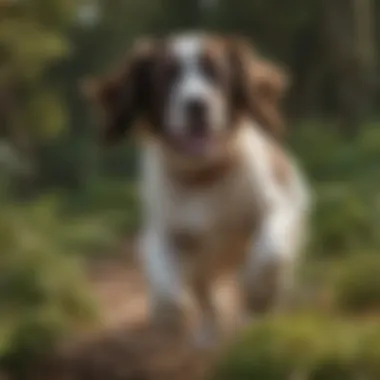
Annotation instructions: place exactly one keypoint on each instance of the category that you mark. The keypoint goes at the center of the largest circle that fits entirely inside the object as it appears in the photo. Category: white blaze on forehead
(188, 47)
(188, 50)
(193, 84)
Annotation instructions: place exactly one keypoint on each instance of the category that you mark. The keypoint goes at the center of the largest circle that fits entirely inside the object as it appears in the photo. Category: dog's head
(191, 90)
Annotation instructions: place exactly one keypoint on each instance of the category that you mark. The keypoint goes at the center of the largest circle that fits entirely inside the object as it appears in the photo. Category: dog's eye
(210, 69)
(172, 71)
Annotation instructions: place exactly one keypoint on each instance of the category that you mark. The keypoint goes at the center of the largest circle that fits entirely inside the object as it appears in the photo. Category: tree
(32, 42)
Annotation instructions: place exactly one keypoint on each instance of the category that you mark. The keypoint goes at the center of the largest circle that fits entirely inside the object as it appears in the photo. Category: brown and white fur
(220, 193)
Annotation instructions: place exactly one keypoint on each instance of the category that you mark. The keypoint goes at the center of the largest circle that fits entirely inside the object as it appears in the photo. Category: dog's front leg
(268, 273)
(208, 332)
(163, 275)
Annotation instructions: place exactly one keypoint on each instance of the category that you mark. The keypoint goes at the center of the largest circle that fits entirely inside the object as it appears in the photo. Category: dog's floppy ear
(259, 86)
(124, 95)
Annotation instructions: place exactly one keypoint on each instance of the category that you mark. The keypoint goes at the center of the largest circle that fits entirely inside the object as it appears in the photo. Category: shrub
(356, 285)
(303, 348)
(344, 179)
(115, 202)
(344, 221)
(43, 293)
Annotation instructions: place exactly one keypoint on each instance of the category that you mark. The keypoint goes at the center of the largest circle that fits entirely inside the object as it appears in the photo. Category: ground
(126, 347)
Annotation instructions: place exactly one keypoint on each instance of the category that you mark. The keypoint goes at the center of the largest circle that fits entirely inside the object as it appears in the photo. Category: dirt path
(126, 347)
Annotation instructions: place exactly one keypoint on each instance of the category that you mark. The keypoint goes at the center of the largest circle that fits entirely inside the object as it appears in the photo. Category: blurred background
(66, 203)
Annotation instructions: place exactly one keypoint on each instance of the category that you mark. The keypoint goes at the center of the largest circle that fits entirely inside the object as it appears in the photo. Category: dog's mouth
(201, 143)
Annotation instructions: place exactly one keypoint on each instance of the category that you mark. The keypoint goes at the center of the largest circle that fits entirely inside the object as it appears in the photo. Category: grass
(304, 347)
(43, 291)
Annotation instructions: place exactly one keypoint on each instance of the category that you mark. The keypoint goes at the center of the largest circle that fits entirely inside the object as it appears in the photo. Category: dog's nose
(196, 112)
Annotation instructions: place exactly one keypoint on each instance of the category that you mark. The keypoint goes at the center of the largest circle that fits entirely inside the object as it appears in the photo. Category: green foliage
(47, 115)
(30, 47)
(344, 221)
(356, 285)
(346, 212)
(273, 25)
(114, 202)
(43, 294)
(300, 347)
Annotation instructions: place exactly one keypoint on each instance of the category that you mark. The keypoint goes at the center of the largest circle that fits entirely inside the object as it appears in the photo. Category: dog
(220, 193)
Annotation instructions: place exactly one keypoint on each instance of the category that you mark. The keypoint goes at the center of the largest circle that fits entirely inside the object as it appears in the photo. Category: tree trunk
(364, 46)
(349, 40)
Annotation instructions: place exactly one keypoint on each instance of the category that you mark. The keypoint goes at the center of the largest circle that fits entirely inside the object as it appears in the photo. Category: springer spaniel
(219, 192)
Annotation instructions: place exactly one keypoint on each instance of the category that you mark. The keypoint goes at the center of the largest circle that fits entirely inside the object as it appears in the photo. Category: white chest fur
(250, 188)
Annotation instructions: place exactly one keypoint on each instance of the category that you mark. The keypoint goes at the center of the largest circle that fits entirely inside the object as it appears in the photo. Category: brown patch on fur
(203, 177)
(220, 259)
(186, 242)
(215, 51)
(271, 84)
(261, 86)
(123, 95)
